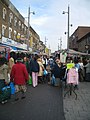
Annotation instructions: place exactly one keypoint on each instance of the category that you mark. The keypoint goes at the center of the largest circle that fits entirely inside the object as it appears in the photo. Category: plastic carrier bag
(30, 80)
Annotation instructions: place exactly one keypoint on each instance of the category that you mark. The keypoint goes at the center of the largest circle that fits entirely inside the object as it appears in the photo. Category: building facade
(80, 38)
(14, 28)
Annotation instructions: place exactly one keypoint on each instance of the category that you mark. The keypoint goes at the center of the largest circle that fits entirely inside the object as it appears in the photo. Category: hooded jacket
(4, 72)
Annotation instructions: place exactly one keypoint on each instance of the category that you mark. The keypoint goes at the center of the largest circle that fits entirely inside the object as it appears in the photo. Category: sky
(50, 23)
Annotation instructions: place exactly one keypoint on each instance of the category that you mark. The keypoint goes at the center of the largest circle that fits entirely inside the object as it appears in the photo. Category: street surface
(44, 102)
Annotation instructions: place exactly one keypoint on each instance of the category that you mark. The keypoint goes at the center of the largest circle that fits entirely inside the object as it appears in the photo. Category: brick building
(14, 28)
(80, 39)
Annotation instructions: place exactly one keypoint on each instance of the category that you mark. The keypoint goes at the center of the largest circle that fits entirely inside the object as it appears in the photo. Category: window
(3, 30)
(11, 17)
(88, 40)
(4, 13)
(15, 34)
(22, 27)
(25, 29)
(15, 21)
(10, 32)
(19, 23)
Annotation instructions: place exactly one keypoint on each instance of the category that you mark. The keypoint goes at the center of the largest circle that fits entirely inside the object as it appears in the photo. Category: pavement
(78, 109)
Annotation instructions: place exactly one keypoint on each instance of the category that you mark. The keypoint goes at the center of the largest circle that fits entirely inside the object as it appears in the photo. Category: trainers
(3, 102)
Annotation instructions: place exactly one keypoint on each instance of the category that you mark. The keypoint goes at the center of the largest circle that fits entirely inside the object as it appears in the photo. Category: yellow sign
(18, 36)
(70, 65)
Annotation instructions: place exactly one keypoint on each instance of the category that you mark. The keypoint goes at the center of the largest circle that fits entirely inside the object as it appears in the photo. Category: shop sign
(8, 41)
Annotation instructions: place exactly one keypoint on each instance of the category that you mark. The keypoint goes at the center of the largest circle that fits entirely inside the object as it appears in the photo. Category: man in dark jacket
(57, 72)
(34, 70)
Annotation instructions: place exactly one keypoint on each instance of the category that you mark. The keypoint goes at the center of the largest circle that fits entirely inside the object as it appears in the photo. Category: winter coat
(19, 74)
(4, 72)
(41, 68)
(57, 71)
(87, 66)
(34, 66)
(11, 63)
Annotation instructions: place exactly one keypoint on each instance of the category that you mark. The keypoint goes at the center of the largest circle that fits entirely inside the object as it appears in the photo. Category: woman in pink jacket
(19, 76)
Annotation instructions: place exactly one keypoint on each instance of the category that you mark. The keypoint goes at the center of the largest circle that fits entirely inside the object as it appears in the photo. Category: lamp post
(68, 12)
(60, 43)
(28, 36)
(45, 43)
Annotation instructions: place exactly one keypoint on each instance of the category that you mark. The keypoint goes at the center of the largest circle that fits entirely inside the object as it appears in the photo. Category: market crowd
(20, 68)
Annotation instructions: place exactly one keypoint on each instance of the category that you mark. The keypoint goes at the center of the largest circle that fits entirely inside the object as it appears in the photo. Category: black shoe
(23, 97)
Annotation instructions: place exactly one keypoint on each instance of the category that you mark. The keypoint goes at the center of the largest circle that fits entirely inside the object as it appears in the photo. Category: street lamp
(45, 44)
(29, 12)
(68, 26)
(60, 43)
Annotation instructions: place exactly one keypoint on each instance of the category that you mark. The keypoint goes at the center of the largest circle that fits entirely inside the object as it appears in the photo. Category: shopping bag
(12, 88)
(45, 72)
(30, 80)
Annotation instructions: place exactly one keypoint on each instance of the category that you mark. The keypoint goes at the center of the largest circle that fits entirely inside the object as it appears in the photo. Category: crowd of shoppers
(21, 67)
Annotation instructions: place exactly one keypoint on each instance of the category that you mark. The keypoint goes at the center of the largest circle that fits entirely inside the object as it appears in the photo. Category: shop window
(10, 32)
(4, 13)
(3, 30)
(11, 17)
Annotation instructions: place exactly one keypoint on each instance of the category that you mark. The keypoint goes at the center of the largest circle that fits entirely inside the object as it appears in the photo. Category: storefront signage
(11, 42)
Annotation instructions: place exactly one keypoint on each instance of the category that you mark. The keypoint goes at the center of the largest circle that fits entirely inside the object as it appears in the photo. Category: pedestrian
(19, 76)
(34, 70)
(87, 66)
(41, 70)
(10, 63)
(77, 66)
(26, 62)
(57, 72)
(81, 71)
(3, 74)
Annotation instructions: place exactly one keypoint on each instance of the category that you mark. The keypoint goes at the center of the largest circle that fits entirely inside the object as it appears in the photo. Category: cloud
(40, 21)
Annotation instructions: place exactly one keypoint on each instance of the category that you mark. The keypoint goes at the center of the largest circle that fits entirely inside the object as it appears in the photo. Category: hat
(19, 60)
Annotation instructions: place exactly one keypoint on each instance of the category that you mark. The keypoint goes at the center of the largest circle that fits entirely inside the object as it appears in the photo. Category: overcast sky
(49, 21)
